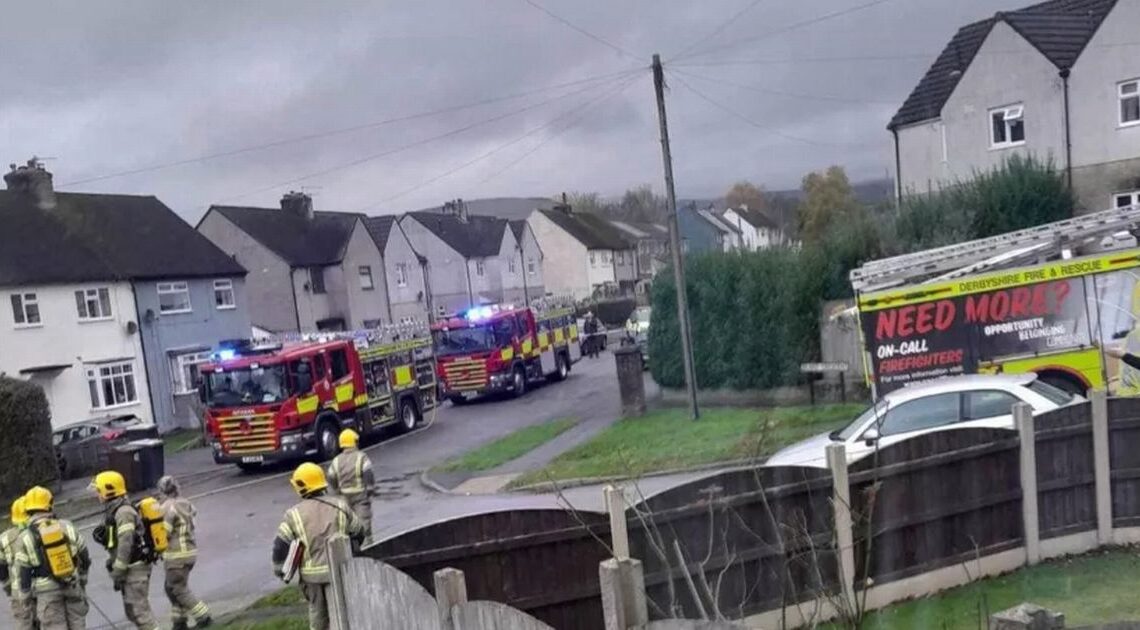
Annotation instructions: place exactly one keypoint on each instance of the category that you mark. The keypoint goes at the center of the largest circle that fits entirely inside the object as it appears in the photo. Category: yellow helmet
(38, 499)
(19, 514)
(349, 438)
(308, 478)
(110, 484)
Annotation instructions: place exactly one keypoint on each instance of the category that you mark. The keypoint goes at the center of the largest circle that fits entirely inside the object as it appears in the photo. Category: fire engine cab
(291, 400)
(493, 349)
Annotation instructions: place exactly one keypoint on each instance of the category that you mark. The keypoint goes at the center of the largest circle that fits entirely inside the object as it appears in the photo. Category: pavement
(238, 512)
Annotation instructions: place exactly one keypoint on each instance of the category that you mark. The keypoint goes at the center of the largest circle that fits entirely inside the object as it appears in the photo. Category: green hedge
(25, 440)
(755, 318)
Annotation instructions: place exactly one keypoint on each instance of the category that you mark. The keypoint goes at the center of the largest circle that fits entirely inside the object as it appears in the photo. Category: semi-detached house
(110, 301)
(592, 255)
(1059, 79)
(309, 270)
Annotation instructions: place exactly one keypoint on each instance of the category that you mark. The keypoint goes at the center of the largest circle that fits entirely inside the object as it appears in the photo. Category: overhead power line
(564, 129)
(764, 90)
(795, 60)
(417, 143)
(579, 29)
(718, 30)
(785, 29)
(342, 130)
(497, 149)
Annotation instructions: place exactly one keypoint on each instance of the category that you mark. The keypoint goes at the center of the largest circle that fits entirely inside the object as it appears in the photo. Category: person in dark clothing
(591, 329)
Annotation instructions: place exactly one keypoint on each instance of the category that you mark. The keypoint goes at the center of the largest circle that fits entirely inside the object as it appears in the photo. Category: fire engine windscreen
(246, 386)
(466, 340)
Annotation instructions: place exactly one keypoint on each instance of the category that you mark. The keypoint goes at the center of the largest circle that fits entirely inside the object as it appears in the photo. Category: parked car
(960, 402)
(83, 447)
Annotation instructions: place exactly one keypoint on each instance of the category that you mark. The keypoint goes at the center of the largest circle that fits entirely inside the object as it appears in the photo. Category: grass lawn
(182, 440)
(667, 439)
(287, 596)
(508, 447)
(259, 616)
(1095, 588)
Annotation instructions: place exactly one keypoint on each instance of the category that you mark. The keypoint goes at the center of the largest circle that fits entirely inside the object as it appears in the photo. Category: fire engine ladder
(1001, 250)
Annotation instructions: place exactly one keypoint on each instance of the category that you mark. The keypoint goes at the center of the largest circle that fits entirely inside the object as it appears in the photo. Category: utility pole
(675, 244)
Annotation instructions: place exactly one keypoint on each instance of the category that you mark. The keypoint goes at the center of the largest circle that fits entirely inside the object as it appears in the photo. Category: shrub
(25, 439)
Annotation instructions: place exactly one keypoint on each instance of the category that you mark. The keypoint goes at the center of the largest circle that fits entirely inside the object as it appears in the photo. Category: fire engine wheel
(561, 368)
(409, 415)
(326, 441)
(518, 382)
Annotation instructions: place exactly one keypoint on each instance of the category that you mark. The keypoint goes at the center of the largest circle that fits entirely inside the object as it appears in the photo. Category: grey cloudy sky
(111, 86)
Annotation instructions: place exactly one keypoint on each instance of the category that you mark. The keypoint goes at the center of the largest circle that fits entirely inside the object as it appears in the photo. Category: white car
(960, 402)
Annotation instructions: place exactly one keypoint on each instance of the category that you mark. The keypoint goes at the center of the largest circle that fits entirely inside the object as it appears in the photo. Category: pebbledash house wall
(409, 300)
(447, 268)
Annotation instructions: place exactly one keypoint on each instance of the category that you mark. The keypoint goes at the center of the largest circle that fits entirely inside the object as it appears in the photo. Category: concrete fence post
(450, 591)
(623, 593)
(844, 527)
(1102, 466)
(1023, 420)
(340, 553)
(615, 505)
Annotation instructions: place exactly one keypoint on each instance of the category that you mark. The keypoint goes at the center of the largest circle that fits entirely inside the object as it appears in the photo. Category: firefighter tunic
(60, 603)
(350, 474)
(180, 556)
(128, 564)
(23, 605)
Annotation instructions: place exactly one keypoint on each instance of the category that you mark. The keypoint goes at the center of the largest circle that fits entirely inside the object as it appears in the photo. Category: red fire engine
(292, 401)
(492, 349)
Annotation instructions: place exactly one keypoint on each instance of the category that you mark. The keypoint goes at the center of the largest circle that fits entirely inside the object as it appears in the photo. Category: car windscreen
(480, 338)
(849, 431)
(246, 386)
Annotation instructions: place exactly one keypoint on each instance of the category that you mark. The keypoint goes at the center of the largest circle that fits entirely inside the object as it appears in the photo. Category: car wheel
(61, 463)
(409, 415)
(326, 441)
(518, 382)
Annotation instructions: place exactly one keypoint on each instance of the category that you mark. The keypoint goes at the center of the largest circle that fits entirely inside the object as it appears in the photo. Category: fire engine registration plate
(469, 395)
(252, 459)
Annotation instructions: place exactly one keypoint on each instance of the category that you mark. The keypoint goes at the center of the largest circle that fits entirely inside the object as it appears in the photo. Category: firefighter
(350, 474)
(590, 327)
(312, 523)
(180, 555)
(129, 562)
(52, 563)
(23, 606)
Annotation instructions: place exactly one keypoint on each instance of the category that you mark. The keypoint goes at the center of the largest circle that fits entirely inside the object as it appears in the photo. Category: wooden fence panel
(491, 616)
(751, 540)
(1124, 459)
(543, 562)
(934, 501)
(378, 596)
(1066, 479)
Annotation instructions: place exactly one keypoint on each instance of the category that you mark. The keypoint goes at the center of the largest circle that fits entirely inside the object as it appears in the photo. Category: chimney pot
(34, 180)
(298, 203)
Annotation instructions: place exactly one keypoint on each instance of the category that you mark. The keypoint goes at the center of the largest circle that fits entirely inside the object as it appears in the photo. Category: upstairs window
(93, 304)
(621, 258)
(317, 280)
(530, 267)
(401, 274)
(1128, 93)
(173, 297)
(1125, 199)
(26, 309)
(511, 265)
(366, 283)
(479, 268)
(1007, 126)
(224, 294)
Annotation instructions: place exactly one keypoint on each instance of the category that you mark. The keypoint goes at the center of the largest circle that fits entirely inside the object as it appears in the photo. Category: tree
(828, 198)
(745, 193)
(641, 204)
(586, 202)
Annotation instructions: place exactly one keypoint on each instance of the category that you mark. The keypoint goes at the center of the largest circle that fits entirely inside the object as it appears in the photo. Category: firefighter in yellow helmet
(312, 523)
(52, 564)
(180, 556)
(350, 474)
(23, 605)
(129, 562)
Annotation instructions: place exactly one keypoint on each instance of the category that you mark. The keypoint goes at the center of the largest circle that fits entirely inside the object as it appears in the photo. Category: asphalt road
(238, 513)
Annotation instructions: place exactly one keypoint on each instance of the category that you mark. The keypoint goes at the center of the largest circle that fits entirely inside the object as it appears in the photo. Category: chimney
(457, 209)
(562, 207)
(298, 203)
(32, 179)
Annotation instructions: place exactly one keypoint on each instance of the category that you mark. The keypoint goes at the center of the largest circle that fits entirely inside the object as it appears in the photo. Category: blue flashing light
(226, 354)
(479, 312)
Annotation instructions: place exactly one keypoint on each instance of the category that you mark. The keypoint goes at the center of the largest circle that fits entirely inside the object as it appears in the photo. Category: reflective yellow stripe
(527, 346)
(402, 374)
(558, 335)
(361, 400)
(307, 404)
(344, 392)
(573, 331)
(507, 354)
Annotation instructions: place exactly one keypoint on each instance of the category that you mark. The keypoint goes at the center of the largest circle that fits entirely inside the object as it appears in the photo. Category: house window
(366, 278)
(224, 294)
(1007, 126)
(511, 265)
(621, 258)
(605, 258)
(1125, 199)
(593, 261)
(530, 266)
(1129, 94)
(25, 309)
(93, 304)
(173, 297)
(338, 364)
(479, 268)
(184, 370)
(401, 274)
(317, 279)
(112, 385)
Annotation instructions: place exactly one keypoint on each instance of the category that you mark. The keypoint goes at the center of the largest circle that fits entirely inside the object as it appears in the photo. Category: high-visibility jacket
(33, 577)
(350, 474)
(8, 576)
(314, 522)
(178, 515)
